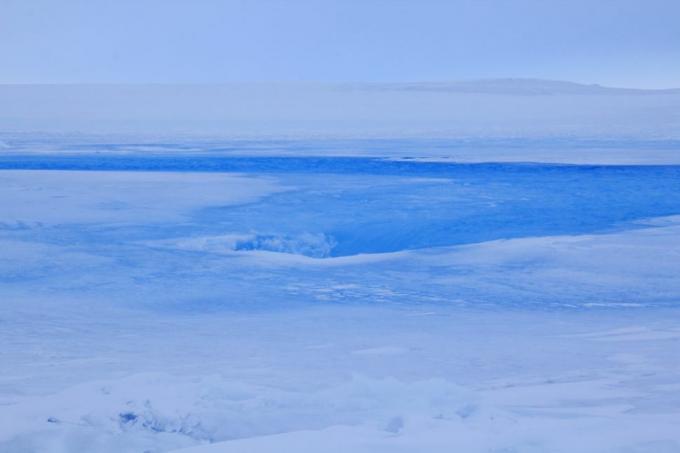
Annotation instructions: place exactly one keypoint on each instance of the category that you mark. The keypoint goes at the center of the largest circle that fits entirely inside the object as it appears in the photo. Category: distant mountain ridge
(513, 86)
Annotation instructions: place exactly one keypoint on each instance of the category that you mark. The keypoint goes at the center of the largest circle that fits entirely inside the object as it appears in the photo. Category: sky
(630, 43)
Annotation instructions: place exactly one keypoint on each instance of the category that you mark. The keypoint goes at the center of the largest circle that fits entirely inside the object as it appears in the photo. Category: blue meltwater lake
(339, 206)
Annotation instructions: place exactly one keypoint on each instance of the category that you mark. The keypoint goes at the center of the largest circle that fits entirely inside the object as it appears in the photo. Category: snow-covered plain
(474, 108)
(158, 301)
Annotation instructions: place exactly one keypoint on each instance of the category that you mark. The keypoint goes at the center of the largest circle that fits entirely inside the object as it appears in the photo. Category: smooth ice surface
(158, 300)
(610, 150)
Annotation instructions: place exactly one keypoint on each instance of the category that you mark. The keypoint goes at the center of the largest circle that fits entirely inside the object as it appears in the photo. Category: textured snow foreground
(220, 312)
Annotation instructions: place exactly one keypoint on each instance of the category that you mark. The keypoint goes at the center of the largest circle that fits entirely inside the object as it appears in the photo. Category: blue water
(369, 205)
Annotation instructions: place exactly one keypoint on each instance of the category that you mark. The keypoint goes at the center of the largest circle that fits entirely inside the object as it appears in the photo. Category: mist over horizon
(482, 108)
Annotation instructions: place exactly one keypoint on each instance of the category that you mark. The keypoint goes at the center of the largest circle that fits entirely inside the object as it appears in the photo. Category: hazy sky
(615, 42)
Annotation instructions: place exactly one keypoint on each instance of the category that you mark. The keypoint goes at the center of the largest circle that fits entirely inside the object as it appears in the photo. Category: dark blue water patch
(313, 165)
(369, 214)
(345, 206)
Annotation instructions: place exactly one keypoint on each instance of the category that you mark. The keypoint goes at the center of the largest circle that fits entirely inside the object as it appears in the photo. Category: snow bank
(314, 245)
(145, 411)
(614, 393)
(62, 197)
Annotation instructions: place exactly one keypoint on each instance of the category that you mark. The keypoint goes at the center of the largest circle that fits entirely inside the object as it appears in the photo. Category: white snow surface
(62, 197)
(341, 379)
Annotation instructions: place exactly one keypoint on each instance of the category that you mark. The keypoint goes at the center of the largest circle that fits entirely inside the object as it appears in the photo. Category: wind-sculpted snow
(230, 304)
(408, 378)
(312, 245)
